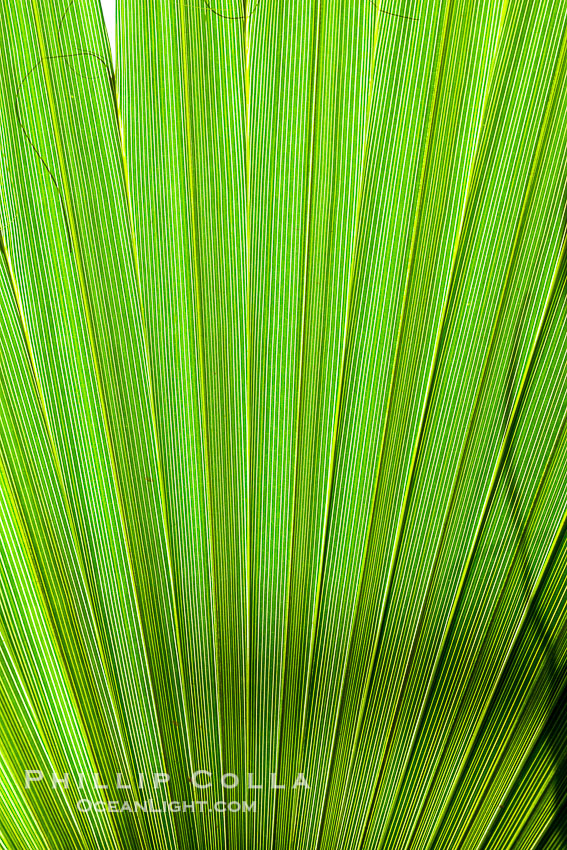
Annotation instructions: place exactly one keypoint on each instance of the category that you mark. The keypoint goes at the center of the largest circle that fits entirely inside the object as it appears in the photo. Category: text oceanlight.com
(166, 806)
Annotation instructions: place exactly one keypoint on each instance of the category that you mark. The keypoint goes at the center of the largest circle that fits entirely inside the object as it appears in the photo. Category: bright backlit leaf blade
(446, 492)
(98, 538)
(302, 237)
(282, 465)
(188, 186)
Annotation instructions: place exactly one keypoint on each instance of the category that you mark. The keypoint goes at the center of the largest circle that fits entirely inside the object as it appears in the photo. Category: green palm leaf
(284, 429)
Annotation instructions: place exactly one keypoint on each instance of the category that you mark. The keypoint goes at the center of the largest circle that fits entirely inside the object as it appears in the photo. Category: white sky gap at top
(109, 12)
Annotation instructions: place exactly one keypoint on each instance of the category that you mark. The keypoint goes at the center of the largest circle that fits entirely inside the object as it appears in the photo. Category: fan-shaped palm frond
(283, 445)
